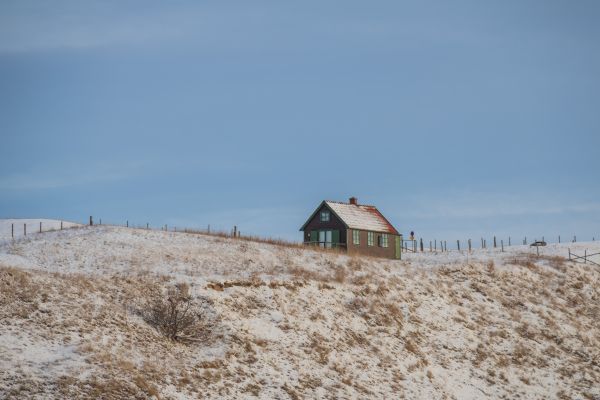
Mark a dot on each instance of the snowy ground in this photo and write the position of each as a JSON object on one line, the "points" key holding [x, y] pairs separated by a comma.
{"points": [[284, 322], [19, 227], [483, 255]]}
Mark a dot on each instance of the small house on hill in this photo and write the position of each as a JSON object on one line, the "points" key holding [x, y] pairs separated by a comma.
{"points": [[356, 228]]}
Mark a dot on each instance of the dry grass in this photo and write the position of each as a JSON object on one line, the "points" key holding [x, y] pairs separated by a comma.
{"points": [[411, 346], [339, 327], [19, 294]]}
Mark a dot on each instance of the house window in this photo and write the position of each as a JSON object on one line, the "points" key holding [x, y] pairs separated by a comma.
{"points": [[324, 216], [369, 238], [384, 240], [325, 239], [355, 236]]}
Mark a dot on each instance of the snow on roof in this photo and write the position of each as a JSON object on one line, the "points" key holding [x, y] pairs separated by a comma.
{"points": [[363, 217]]}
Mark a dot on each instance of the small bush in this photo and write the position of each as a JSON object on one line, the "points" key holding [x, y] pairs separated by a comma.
{"points": [[174, 315]]}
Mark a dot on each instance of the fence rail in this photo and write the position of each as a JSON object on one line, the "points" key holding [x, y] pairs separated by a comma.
{"points": [[574, 257]]}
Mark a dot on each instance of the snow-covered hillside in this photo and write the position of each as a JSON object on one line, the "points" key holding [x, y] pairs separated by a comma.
{"points": [[285, 322], [18, 227]]}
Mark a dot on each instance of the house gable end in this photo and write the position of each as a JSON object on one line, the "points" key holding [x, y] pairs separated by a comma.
{"points": [[316, 212]]}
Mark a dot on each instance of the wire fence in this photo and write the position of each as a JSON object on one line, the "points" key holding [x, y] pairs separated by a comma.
{"points": [[412, 245], [436, 246]]}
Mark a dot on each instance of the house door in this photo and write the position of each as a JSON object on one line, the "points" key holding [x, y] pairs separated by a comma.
{"points": [[398, 247]]}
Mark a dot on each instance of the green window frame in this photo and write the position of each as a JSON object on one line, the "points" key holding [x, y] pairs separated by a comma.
{"points": [[370, 238], [356, 236], [384, 240]]}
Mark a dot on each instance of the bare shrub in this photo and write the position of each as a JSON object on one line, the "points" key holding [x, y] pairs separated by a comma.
{"points": [[175, 314]]}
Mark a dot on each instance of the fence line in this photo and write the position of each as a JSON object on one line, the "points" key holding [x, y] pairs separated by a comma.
{"points": [[574, 257], [413, 245]]}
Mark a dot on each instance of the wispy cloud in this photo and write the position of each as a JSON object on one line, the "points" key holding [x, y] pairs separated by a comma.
{"points": [[45, 180], [471, 205], [27, 27], [84, 25]]}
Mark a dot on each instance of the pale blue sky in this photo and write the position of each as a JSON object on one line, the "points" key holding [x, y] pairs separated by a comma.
{"points": [[458, 119]]}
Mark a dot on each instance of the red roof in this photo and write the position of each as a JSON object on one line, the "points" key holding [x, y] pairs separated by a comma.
{"points": [[359, 216]]}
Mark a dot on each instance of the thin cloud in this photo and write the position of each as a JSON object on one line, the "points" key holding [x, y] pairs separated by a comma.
{"points": [[43, 181], [470, 206]]}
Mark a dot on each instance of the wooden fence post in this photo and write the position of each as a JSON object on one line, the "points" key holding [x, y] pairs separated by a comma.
{"points": [[430, 248], [421, 245], [502, 244], [235, 231], [147, 225], [100, 223], [458, 245], [569, 254], [435, 245], [208, 231], [558, 238], [484, 244], [12, 231], [127, 223], [509, 241], [24, 229], [574, 239], [61, 225], [91, 221], [537, 248], [469, 245], [445, 246], [40, 226], [585, 256], [494, 241]]}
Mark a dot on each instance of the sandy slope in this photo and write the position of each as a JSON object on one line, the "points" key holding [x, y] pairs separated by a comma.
{"points": [[294, 323]]}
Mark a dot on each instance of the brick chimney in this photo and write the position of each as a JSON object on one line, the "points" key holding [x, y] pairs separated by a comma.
{"points": [[354, 200]]}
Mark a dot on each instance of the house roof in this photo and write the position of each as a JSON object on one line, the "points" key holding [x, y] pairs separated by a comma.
{"points": [[358, 216]]}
